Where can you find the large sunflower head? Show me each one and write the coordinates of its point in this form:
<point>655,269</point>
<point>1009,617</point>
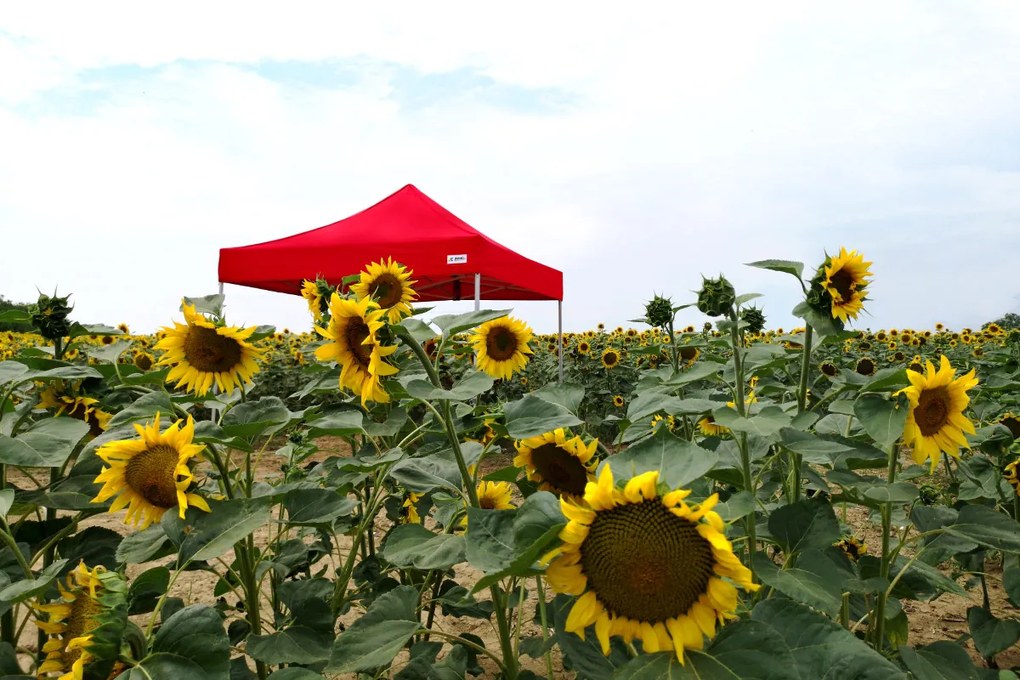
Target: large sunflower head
<point>85,624</point>
<point>85,409</point>
<point>150,475</point>
<point>611,357</point>
<point>560,465</point>
<point>203,354</point>
<point>936,422</point>
<point>389,284</point>
<point>501,346</point>
<point>845,280</point>
<point>354,344</point>
<point>312,292</point>
<point>646,565</point>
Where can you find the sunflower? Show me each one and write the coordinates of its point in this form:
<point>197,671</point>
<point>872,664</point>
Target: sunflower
<point>143,360</point>
<point>409,508</point>
<point>851,547</point>
<point>936,421</point>
<point>710,428</point>
<point>80,408</point>
<point>865,366</point>
<point>310,292</point>
<point>584,347</point>
<point>610,357</point>
<point>689,355</point>
<point>501,346</point>
<point>85,624</point>
<point>352,329</point>
<point>389,284</point>
<point>494,495</point>
<point>646,566</point>
<point>150,475</point>
<point>618,401</point>
<point>202,353</point>
<point>560,465</point>
<point>846,278</point>
<point>828,369</point>
<point>1011,422</point>
<point>1010,474</point>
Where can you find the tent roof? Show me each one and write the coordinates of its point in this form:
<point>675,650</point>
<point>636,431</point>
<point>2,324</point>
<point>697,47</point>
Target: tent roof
<point>443,251</point>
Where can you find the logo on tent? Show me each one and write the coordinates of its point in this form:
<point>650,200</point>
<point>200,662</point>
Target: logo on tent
<point>457,259</point>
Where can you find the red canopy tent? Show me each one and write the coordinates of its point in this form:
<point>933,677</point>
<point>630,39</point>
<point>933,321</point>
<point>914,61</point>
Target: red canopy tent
<point>451,260</point>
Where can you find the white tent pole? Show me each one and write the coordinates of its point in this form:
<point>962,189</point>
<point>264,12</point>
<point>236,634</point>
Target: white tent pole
<point>478,290</point>
<point>559,342</point>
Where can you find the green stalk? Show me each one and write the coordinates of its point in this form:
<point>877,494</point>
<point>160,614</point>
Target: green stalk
<point>805,367</point>
<point>883,595</point>
<point>545,624</point>
<point>750,526</point>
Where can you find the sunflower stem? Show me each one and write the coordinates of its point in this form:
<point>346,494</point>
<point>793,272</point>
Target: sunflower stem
<point>805,365</point>
<point>750,522</point>
<point>878,615</point>
<point>543,617</point>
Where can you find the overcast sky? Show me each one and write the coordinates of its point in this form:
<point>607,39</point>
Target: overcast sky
<point>634,147</point>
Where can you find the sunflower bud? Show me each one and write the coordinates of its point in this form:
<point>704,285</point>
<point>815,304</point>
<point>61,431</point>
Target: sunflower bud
<point>754,319</point>
<point>659,312</point>
<point>49,316</point>
<point>716,296</point>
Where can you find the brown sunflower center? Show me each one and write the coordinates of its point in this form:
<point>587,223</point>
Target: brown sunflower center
<point>932,411</point>
<point>866,366</point>
<point>1012,423</point>
<point>688,353</point>
<point>843,282</point>
<point>487,502</point>
<point>152,474</point>
<point>386,290</point>
<point>610,358</point>
<point>645,563</point>
<point>210,352</point>
<point>355,333</point>
<point>559,469</point>
<point>81,621</point>
<point>500,343</point>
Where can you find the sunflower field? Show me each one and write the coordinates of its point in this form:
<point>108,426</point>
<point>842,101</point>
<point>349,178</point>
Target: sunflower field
<point>390,496</point>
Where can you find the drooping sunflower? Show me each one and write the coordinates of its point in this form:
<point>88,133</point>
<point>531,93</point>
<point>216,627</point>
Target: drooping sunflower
<point>84,624</point>
<point>710,428</point>
<point>354,344</point>
<point>560,465</point>
<point>846,278</point>
<point>310,292</point>
<point>203,354</point>
<point>646,565</point>
<point>501,346</point>
<point>611,357</point>
<point>689,355</point>
<point>389,284</point>
<point>1011,422</point>
<point>936,422</point>
<point>150,475</point>
<point>84,409</point>
<point>852,547</point>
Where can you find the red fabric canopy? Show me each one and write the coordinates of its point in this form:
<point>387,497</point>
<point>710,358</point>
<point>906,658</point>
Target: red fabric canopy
<point>443,251</point>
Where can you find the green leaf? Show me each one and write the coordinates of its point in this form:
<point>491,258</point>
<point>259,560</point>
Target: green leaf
<point>897,492</point>
<point>1011,583</point>
<point>316,506</point>
<point>822,323</point>
<point>991,635</point>
<point>986,527</point>
<point>464,389</point>
<point>800,585</point>
<point>678,461</point>
<point>295,673</point>
<point>146,588</point>
<point>940,661</point>
<point>214,533</point>
<point>144,408</point>
<point>584,654</point>
<point>766,423</point>
<point>822,649</point>
<point>451,324</point>
<point>427,474</point>
<point>6,501</point>
<point>295,644</point>
<point>490,541</point>
<point>887,380</point>
<point>807,524</point>
<point>412,545</point>
<point>197,634</point>
<point>568,395</point>
<point>883,419</point>
<point>48,443</point>
<point>812,448</point>
<point>337,424</point>
<point>651,400</point>
<point>532,416</point>
<point>251,419</point>
<point>791,267</point>
<point>24,588</point>
<point>374,639</point>
<point>142,546</point>
<point>163,666</point>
